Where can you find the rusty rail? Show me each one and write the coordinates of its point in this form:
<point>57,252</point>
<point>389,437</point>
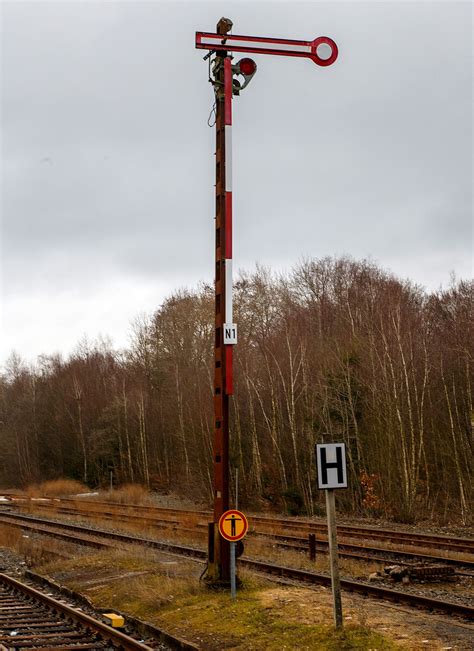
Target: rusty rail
<point>83,535</point>
<point>32,619</point>
<point>369,590</point>
<point>299,543</point>
<point>437,541</point>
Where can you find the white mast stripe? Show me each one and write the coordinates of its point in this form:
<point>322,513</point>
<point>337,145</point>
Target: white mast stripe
<point>228,290</point>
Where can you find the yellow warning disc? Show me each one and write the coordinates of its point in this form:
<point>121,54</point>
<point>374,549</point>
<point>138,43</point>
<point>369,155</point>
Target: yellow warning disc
<point>233,525</point>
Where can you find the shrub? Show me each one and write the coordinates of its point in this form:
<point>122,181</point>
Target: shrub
<point>56,488</point>
<point>127,494</point>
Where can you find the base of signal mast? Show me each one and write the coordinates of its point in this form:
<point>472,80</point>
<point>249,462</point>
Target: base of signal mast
<point>213,578</point>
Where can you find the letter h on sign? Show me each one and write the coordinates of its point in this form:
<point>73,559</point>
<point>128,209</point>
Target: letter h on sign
<point>331,462</point>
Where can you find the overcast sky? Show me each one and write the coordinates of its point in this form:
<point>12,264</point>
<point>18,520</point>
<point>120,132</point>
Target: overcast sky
<point>107,160</point>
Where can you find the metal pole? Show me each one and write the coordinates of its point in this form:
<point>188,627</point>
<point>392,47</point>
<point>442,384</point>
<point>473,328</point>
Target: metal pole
<point>218,570</point>
<point>333,556</point>
<point>233,582</point>
<point>236,489</point>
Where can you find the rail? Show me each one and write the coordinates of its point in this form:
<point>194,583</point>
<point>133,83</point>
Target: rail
<point>79,534</point>
<point>32,619</point>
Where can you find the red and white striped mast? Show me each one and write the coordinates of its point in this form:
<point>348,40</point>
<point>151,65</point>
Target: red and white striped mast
<point>322,51</point>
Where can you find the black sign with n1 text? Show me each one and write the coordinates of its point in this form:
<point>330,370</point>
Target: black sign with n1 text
<point>331,465</point>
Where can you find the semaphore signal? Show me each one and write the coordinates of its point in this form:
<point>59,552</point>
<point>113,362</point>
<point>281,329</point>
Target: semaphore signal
<point>225,77</point>
<point>322,50</point>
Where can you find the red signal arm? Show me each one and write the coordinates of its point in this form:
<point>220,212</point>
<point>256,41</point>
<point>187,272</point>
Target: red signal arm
<point>263,45</point>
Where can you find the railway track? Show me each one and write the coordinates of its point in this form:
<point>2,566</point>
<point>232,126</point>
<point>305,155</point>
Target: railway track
<point>296,542</point>
<point>263,523</point>
<point>448,543</point>
<point>81,535</point>
<point>31,619</point>
<point>374,554</point>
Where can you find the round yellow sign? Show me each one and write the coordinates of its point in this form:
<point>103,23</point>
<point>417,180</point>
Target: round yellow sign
<point>233,525</point>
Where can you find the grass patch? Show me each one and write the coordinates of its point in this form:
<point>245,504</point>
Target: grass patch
<point>35,550</point>
<point>254,622</point>
<point>260,547</point>
<point>167,592</point>
<point>56,488</point>
<point>10,537</point>
<point>126,494</point>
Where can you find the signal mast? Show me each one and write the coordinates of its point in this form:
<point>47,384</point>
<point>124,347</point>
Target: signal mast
<point>226,81</point>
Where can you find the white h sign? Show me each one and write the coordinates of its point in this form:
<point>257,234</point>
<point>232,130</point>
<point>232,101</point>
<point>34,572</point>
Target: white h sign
<point>331,462</point>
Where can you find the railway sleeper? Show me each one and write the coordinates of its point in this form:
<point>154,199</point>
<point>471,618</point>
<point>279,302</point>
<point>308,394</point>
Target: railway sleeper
<point>407,573</point>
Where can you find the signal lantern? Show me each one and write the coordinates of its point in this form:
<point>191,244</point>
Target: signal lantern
<point>245,68</point>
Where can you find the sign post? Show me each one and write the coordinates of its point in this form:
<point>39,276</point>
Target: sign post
<point>233,525</point>
<point>332,473</point>
<point>333,557</point>
<point>233,581</point>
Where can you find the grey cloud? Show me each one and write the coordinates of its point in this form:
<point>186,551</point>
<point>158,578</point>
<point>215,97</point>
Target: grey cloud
<point>107,161</point>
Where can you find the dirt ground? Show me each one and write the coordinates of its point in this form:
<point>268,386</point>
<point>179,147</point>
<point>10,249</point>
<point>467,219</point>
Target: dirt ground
<point>190,611</point>
<point>409,628</point>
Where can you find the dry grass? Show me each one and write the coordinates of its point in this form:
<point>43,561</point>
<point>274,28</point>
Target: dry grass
<point>260,547</point>
<point>145,581</point>
<point>56,488</point>
<point>126,494</point>
<point>183,534</point>
<point>383,545</point>
<point>188,532</point>
<point>10,537</point>
<point>386,545</point>
<point>34,551</point>
<point>38,551</point>
<point>169,594</point>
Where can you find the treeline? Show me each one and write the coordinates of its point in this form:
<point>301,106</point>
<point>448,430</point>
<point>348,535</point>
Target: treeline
<point>336,350</point>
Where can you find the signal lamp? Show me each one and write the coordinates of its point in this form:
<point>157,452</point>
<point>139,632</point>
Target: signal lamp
<point>246,68</point>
